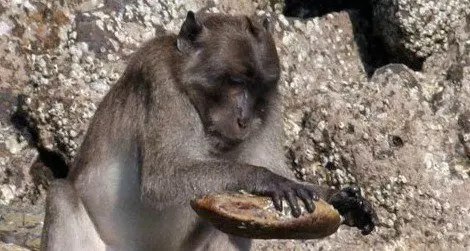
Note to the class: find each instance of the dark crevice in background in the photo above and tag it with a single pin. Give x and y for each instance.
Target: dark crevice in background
(54, 161)
(371, 46)
(316, 8)
(415, 65)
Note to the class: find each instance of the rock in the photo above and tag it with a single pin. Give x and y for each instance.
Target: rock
(15, 146)
(21, 224)
(412, 30)
(16, 155)
(91, 30)
(404, 134)
(11, 247)
(399, 133)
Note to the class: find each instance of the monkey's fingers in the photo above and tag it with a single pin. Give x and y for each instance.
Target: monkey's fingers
(311, 191)
(353, 191)
(368, 225)
(314, 195)
(306, 199)
(367, 229)
(277, 201)
(370, 216)
(293, 203)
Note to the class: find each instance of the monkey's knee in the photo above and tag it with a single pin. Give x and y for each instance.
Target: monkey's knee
(67, 225)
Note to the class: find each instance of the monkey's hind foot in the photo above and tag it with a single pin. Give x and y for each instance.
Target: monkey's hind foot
(355, 209)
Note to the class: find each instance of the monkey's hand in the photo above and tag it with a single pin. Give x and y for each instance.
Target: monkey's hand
(282, 188)
(355, 209)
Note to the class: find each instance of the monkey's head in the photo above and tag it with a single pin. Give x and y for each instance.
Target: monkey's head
(230, 74)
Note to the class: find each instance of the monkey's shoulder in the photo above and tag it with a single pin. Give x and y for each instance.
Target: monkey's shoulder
(161, 45)
(156, 59)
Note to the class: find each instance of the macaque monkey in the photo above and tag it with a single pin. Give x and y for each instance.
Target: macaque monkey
(193, 113)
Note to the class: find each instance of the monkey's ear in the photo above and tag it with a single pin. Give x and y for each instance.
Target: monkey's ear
(268, 24)
(188, 33)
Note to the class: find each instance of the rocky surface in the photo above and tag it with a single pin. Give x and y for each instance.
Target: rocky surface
(414, 29)
(21, 224)
(402, 132)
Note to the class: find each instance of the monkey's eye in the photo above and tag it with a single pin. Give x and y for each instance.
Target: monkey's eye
(236, 80)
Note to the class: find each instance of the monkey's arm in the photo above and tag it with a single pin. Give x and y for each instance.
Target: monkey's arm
(201, 178)
(191, 178)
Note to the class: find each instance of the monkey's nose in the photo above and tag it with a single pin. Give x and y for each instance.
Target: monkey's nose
(242, 123)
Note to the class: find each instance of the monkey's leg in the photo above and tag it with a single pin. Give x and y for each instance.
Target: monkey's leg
(67, 225)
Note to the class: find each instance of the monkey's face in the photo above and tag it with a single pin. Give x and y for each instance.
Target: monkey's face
(231, 77)
(233, 113)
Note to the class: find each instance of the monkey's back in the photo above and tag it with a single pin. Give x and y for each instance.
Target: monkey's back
(106, 170)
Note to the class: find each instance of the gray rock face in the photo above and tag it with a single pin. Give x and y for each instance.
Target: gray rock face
(402, 135)
(21, 224)
(414, 29)
(397, 134)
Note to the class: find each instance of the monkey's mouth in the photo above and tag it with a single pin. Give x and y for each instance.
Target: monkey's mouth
(224, 142)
